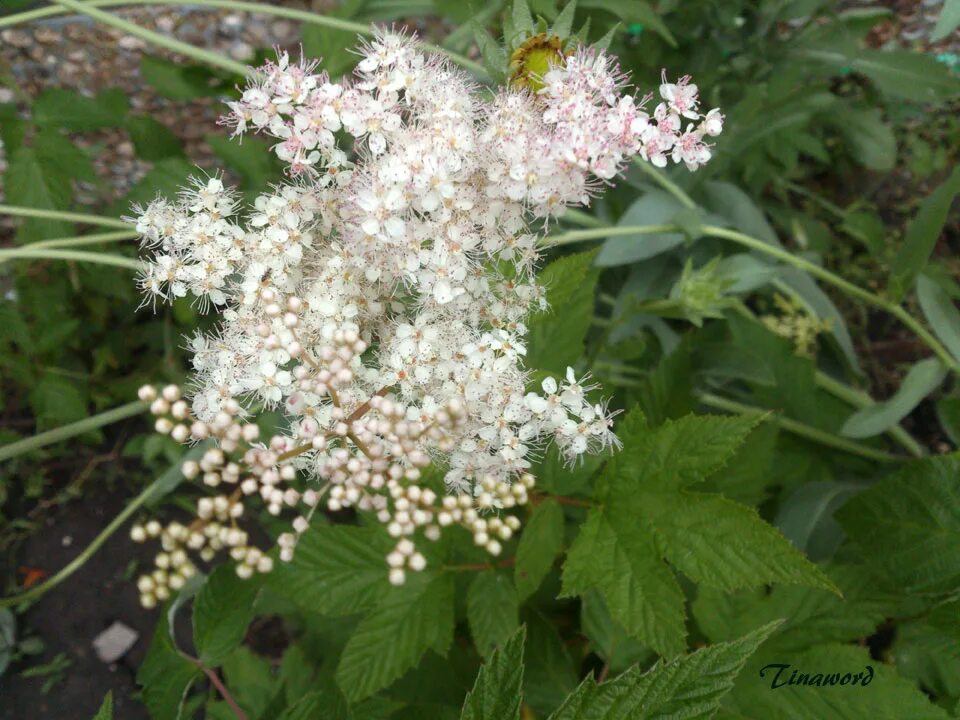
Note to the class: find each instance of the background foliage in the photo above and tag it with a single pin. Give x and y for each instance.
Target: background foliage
(765, 507)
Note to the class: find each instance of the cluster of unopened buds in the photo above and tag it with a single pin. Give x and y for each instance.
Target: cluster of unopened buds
(381, 298)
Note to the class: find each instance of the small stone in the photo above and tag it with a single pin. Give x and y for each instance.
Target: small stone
(15, 38)
(6, 95)
(129, 42)
(242, 51)
(114, 642)
(67, 540)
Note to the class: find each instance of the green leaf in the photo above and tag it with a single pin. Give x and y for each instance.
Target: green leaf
(106, 710)
(390, 640)
(251, 158)
(8, 637)
(522, 19)
(723, 544)
(656, 207)
(635, 11)
(563, 25)
(30, 182)
(948, 413)
(307, 707)
(166, 179)
(923, 653)
(166, 676)
(806, 517)
(152, 140)
(56, 401)
(688, 687)
(624, 563)
(492, 610)
(948, 21)
(497, 691)
(941, 313)
(337, 570)
(335, 46)
(176, 81)
(887, 696)
(550, 674)
(556, 337)
(812, 616)
(922, 235)
(729, 201)
(221, 613)
(870, 139)
(66, 109)
(680, 452)
(608, 638)
(494, 56)
(908, 525)
(250, 679)
(907, 74)
(540, 543)
(922, 379)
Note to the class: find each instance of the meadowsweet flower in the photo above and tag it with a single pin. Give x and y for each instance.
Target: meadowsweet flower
(380, 297)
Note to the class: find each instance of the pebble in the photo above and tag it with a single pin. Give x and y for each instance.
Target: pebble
(129, 42)
(114, 642)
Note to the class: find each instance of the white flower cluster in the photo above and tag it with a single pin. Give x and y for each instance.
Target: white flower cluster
(382, 297)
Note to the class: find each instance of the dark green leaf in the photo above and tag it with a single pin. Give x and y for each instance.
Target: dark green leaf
(496, 694)
(656, 207)
(390, 640)
(166, 676)
(922, 235)
(58, 108)
(941, 313)
(221, 613)
(492, 610)
(153, 141)
(106, 710)
(806, 517)
(908, 525)
(540, 543)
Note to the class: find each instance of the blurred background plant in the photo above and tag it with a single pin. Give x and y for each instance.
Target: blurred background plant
(839, 151)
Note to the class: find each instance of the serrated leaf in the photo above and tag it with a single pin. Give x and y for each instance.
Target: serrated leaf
(152, 140)
(812, 616)
(550, 674)
(563, 25)
(556, 337)
(250, 679)
(887, 696)
(307, 707)
(166, 179)
(59, 108)
(680, 452)
(337, 570)
(922, 379)
(689, 687)
(176, 81)
(922, 235)
(494, 56)
(166, 676)
(222, 611)
(635, 11)
(492, 610)
(391, 639)
(625, 564)
(540, 543)
(31, 183)
(723, 544)
(608, 638)
(907, 74)
(497, 692)
(870, 139)
(56, 401)
(908, 525)
(522, 19)
(106, 709)
(941, 313)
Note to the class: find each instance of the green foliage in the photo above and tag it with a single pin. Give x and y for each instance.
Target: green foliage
(539, 545)
(391, 639)
(497, 692)
(221, 612)
(908, 525)
(492, 610)
(106, 710)
(166, 676)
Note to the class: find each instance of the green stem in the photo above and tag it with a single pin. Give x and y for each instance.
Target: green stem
(78, 255)
(178, 46)
(574, 236)
(251, 7)
(80, 240)
(579, 217)
(798, 428)
(780, 254)
(660, 178)
(65, 432)
(66, 216)
(850, 395)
